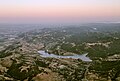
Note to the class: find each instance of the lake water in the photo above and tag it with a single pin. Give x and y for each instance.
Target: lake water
(83, 57)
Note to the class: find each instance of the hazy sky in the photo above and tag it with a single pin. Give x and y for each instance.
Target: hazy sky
(59, 10)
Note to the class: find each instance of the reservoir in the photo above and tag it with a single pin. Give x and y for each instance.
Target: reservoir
(83, 57)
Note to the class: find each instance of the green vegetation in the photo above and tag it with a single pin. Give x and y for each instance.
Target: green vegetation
(107, 68)
(15, 72)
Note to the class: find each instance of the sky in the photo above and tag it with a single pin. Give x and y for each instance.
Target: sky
(59, 11)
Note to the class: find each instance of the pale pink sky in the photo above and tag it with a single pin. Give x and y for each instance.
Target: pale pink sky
(59, 10)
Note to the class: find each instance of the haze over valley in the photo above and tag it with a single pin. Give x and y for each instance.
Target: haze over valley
(59, 40)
